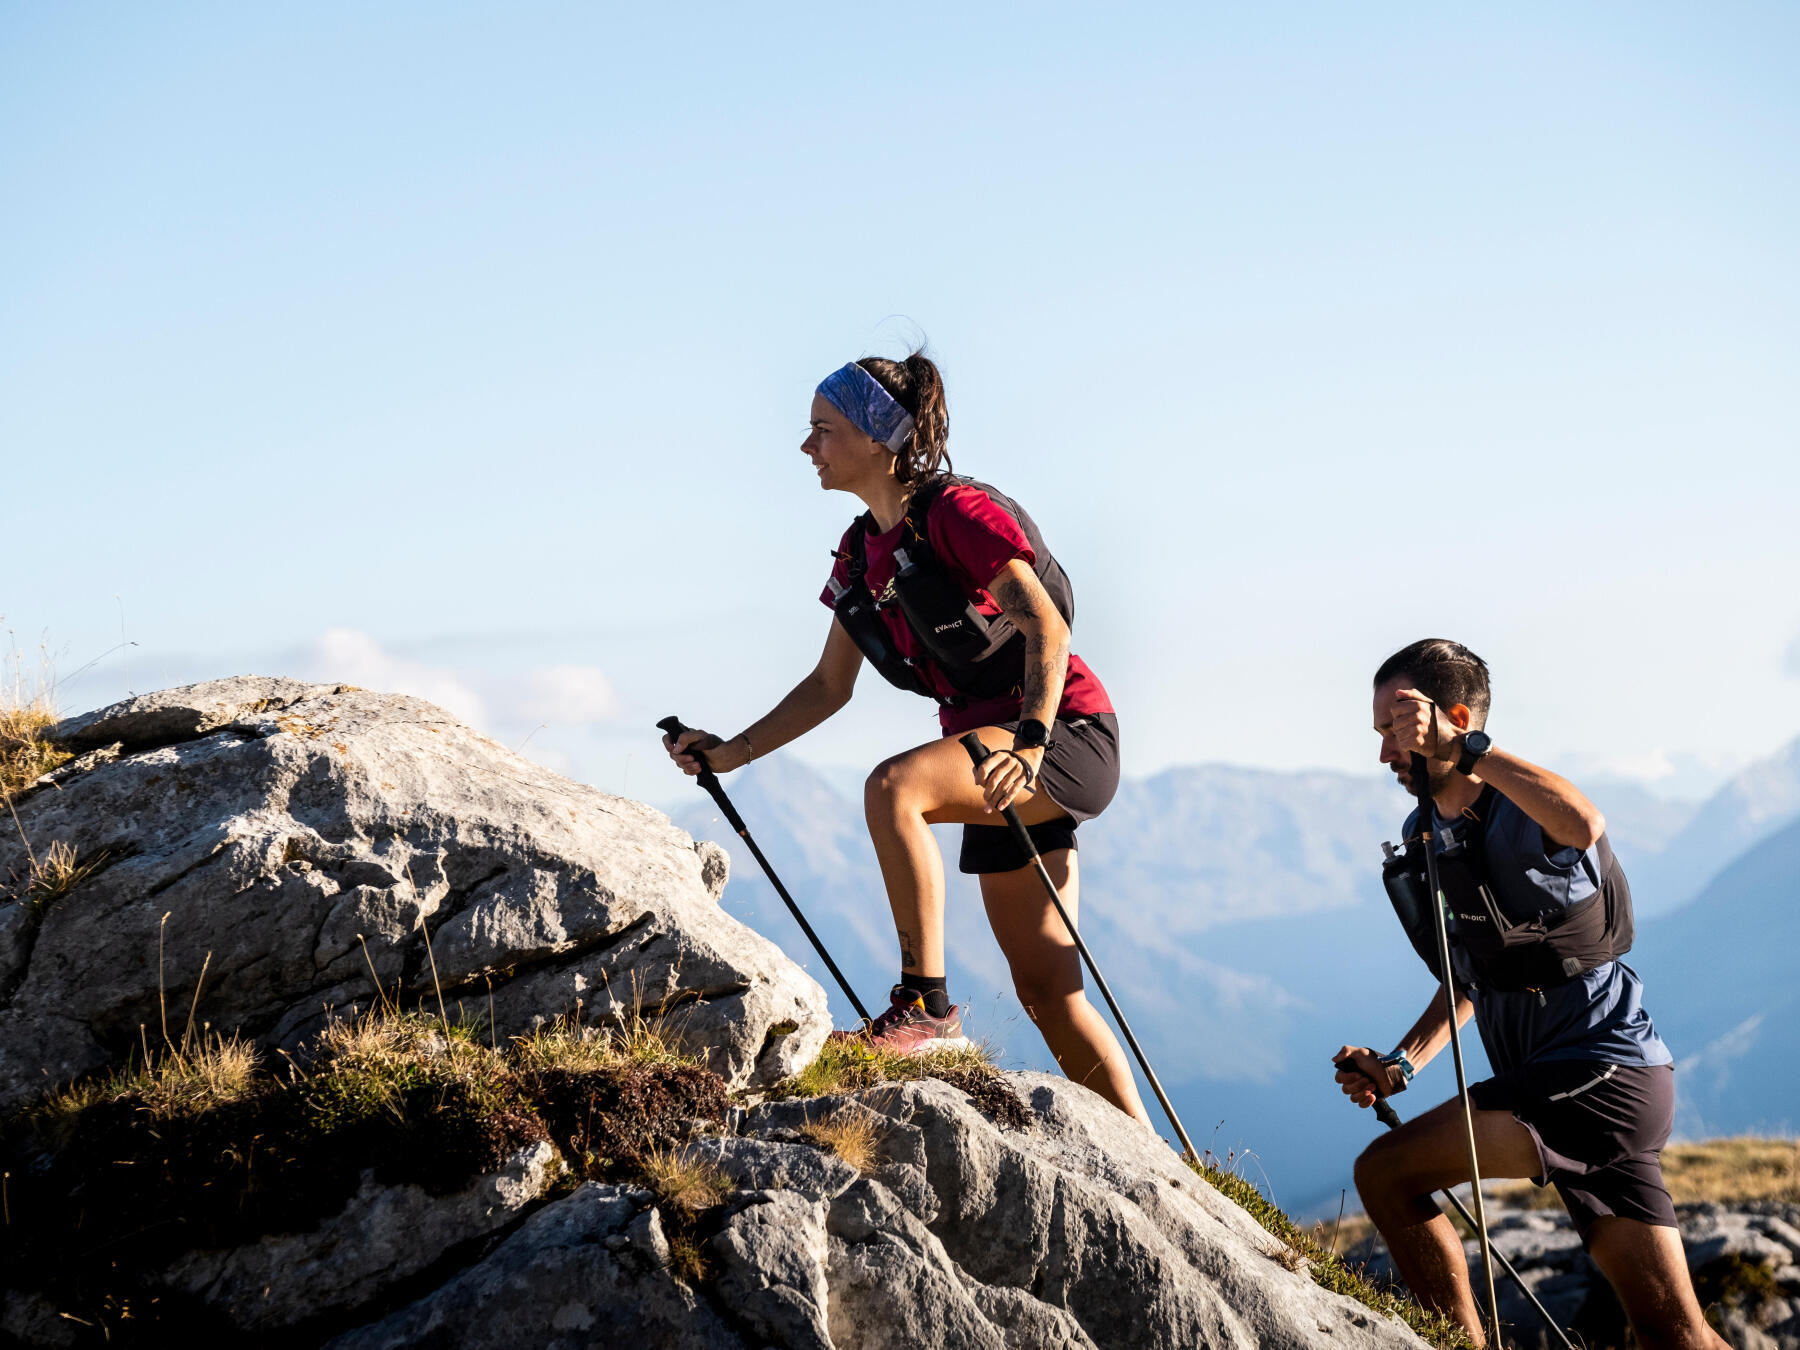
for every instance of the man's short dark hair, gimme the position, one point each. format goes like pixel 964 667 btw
pixel 1444 671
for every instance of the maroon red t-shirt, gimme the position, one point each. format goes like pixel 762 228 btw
pixel 973 539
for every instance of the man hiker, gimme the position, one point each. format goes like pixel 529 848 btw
pixel 1583 1090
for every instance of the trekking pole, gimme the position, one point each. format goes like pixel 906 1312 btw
pixel 710 781
pixel 1385 1113
pixel 1422 785
pixel 979 752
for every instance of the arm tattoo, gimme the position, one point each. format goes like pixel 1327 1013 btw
pixel 1046 663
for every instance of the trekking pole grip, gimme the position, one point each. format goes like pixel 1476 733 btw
pixel 979 754
pixel 1384 1109
pixel 674 727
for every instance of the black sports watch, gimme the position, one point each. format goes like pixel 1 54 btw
pixel 1475 744
pixel 1031 735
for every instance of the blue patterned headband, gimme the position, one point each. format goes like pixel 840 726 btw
pixel 859 396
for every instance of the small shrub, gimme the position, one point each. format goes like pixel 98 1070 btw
pixel 1735 1280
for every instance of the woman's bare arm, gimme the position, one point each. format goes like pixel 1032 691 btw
pixel 815 698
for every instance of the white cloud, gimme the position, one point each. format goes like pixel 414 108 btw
pixel 568 696
pixel 1791 666
pixel 500 703
pixel 353 657
pixel 1672 774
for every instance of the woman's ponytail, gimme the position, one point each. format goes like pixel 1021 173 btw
pixel 917 387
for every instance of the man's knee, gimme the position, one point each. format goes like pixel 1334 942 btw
pixel 1378 1173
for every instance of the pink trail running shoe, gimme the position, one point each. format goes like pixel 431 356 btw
pixel 907 1029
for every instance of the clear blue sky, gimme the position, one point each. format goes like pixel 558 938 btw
pixel 468 348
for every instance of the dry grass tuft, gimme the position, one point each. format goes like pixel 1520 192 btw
pixel 854 1136
pixel 1734 1171
pixel 564 1044
pixel 681 1180
pixel 847 1064
pixel 60 871
pixel 25 756
pixel 209 1071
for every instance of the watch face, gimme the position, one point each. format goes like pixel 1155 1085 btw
pixel 1477 742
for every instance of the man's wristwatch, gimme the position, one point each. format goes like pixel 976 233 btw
pixel 1475 744
pixel 1399 1060
pixel 1031 735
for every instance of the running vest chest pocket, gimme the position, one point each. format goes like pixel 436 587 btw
pixel 1518 952
pixel 949 625
pixel 981 656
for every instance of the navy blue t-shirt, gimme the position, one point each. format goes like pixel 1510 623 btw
pixel 1599 1015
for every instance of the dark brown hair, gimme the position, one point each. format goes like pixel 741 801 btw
pixel 1446 672
pixel 917 387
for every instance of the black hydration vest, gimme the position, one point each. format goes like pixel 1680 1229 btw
pixel 982 656
pixel 1487 946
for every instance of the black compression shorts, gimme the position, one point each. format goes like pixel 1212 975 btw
pixel 1081 774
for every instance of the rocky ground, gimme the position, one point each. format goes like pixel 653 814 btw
pixel 1745 1261
pixel 430 1172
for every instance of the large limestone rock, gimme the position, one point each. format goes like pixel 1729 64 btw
pixel 1081 1231
pixel 293 838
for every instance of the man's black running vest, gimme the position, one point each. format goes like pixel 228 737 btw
pixel 1488 946
pixel 981 656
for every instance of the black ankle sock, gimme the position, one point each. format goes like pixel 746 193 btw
pixel 932 988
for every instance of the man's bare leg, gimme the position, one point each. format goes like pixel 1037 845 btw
pixel 1398 1175
pixel 1648 1270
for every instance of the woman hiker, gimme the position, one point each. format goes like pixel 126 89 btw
pixel 945 586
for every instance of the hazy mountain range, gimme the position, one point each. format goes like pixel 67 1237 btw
pixel 1239 916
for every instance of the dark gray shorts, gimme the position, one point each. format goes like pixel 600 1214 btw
pixel 1080 773
pixel 1599 1130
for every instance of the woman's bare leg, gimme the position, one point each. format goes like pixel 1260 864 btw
pixel 1046 971
pixel 931 785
